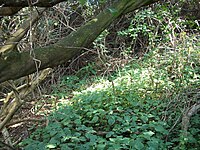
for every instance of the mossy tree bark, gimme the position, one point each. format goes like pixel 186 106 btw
pixel 14 65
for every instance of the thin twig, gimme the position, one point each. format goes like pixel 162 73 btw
pixel 26 119
pixel 6 145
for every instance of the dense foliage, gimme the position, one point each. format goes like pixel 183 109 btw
pixel 126 111
pixel 139 106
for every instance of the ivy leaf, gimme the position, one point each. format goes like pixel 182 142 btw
pixel 160 129
pixel 127 118
pixel 116 146
pixel 52 133
pixel 109 134
pixel 149 133
pixel 111 120
pixel 113 11
pixel 77 122
pixel 139 145
pixel 101 146
pixel 82 2
pixel 95 119
pixel 51 146
pixel 144 119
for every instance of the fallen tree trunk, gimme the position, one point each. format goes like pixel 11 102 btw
pixel 7 11
pixel 14 65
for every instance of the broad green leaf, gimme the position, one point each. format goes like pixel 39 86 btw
pixel 64 147
pixel 149 133
pixel 77 134
pixel 52 132
pixel 144 118
pixel 139 145
pixel 82 138
pixel 75 139
pixel 127 118
pixel 160 128
pixel 117 146
pixel 113 11
pixel 67 131
pixel 95 119
pixel 82 2
pixel 111 120
pixel 51 146
pixel 77 122
pixel 89 135
pixel 101 146
pixel 109 134
pixel 153 145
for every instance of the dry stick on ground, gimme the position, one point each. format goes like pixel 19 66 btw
pixel 17 101
pixel 6 137
pixel 9 96
pixel 26 120
pixel 3 144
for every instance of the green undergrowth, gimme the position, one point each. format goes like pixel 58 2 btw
pixel 135 108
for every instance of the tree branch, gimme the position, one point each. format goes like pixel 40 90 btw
pixel 188 114
pixel 26 3
pixel 8 11
pixel 3 144
pixel 15 65
pixel 26 120
pixel 8 112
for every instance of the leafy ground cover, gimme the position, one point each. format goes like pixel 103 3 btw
pixel 135 108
